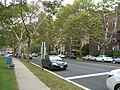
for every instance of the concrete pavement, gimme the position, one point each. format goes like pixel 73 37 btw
pixel 26 79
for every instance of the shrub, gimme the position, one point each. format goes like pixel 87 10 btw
pixel 35 48
pixel 109 53
pixel 96 53
pixel 116 53
pixel 85 50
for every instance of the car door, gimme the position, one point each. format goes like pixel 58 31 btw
pixel 100 58
pixel 117 59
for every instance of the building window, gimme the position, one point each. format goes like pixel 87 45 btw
pixel 114 40
pixel 98 47
pixel 113 48
pixel 118 48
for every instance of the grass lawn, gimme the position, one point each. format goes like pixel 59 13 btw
pixel 7 77
pixel 52 81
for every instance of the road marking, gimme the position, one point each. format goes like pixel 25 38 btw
pixel 83 87
pixel 99 64
pixel 86 76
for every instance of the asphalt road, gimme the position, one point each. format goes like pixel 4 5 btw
pixel 90 74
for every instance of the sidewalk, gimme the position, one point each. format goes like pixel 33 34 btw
pixel 26 79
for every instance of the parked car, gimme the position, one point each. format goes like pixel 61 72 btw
pixel 61 55
pixel 104 58
pixel 113 80
pixel 54 62
pixel 116 60
pixel 88 57
pixel 19 55
pixel 9 53
pixel 34 55
pixel 30 56
pixel 71 56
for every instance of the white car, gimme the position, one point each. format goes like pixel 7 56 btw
pixel 113 80
pixel 88 57
pixel 34 55
pixel 104 58
pixel 61 55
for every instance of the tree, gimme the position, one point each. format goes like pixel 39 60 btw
pixel 103 23
pixel 35 48
pixel 29 16
pixel 73 30
pixel 73 18
pixel 6 16
pixel 51 8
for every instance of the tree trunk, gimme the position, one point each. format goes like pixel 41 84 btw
pixel 56 49
pixel 102 50
pixel 80 49
pixel 28 54
pixel 80 53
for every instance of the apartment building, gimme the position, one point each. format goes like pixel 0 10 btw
pixel 114 45
pixel 115 41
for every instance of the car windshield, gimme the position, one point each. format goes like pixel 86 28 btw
pixel 103 56
pixel 54 58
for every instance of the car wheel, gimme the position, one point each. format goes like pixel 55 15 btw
pixel 43 66
pixel 50 68
pixel 114 61
pixel 102 60
pixel 95 60
pixel 117 87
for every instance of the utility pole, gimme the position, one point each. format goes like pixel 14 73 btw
pixel 43 50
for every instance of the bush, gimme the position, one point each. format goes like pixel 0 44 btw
pixel 116 53
pixel 85 50
pixel 78 54
pixel 109 53
pixel 35 48
pixel 96 53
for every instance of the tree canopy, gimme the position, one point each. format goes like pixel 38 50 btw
pixel 22 23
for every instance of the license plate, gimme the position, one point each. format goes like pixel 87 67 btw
pixel 61 66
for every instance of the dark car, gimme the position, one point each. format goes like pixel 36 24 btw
pixel 71 56
pixel 54 62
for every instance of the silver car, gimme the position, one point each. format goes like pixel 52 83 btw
pixel 116 60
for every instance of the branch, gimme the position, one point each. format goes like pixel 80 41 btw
pixel 95 41
pixel 35 30
pixel 16 35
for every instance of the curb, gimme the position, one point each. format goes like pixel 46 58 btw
pixel 85 88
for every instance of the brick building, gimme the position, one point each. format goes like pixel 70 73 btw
pixel 114 45
pixel 115 42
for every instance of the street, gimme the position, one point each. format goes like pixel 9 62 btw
pixel 90 74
